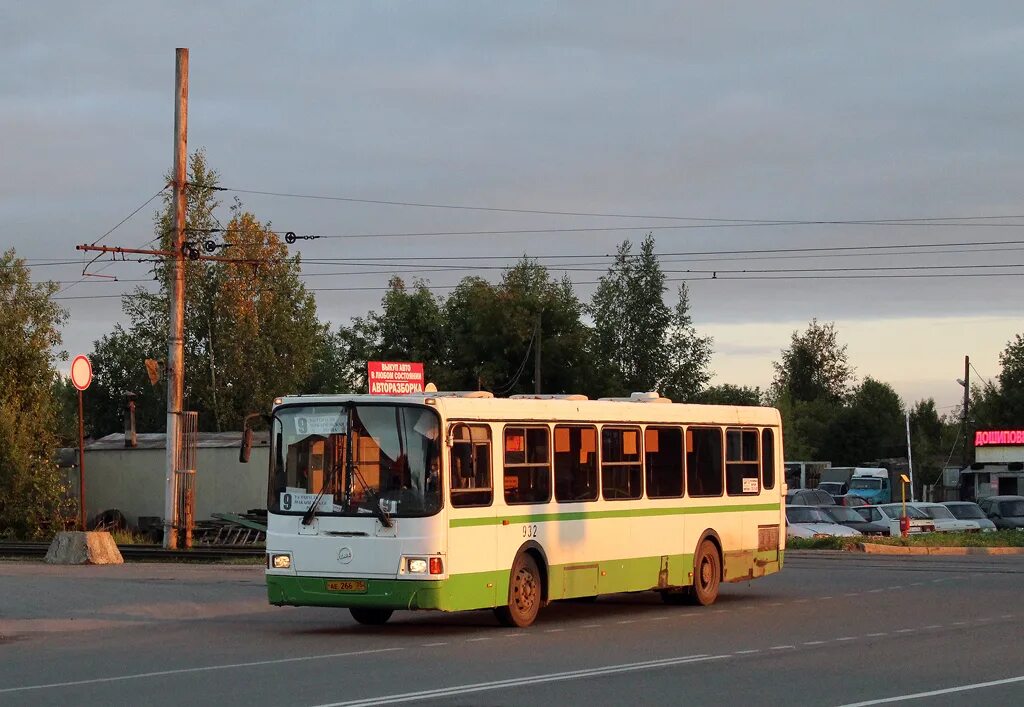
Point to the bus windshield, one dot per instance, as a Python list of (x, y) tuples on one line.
[(357, 455)]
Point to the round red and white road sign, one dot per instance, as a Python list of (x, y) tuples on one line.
[(81, 372)]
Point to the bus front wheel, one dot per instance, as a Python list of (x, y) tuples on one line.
[(707, 573), (371, 617), (524, 594)]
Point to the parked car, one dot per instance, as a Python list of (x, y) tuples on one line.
[(965, 510), (890, 513), (1005, 511), (835, 489), (945, 522), (812, 522), (808, 497), (850, 500), (852, 519)]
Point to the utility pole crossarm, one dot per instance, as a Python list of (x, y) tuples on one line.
[(118, 250)]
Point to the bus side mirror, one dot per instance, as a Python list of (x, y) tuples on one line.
[(243, 452), (246, 448)]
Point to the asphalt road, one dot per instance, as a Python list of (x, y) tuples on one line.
[(828, 630)]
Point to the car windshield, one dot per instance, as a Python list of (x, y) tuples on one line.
[(842, 514), (865, 483), (965, 511), (1011, 509), (936, 512), (896, 510), (806, 515), (358, 455)]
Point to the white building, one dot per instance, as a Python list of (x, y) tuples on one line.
[(132, 479), (998, 469)]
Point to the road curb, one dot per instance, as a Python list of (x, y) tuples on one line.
[(875, 549)]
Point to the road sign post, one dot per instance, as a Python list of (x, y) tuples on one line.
[(81, 377)]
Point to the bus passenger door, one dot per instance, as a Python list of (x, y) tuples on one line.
[(472, 529)]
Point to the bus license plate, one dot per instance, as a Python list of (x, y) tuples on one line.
[(346, 585)]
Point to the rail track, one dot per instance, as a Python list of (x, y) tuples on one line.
[(144, 553)]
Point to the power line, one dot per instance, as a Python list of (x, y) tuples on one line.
[(727, 221), (126, 218)]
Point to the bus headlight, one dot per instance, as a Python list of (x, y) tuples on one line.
[(281, 562), (416, 565)]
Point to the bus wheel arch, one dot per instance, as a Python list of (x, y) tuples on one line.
[(711, 535), (527, 591), (708, 569)]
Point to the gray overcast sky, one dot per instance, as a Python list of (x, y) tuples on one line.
[(727, 110)]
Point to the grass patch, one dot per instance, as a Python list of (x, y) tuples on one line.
[(127, 537), (1000, 538)]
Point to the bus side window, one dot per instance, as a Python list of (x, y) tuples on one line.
[(767, 458), (663, 447), (527, 477), (575, 463), (471, 466), (741, 462), (621, 468), (704, 461)]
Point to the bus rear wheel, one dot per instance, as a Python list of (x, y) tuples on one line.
[(371, 617), (707, 574), (524, 594)]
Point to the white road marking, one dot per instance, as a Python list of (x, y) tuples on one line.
[(875, 591), (523, 681), (434, 645), (208, 668), (554, 630), (1006, 616), (659, 618), (591, 626), (959, 623), (852, 594), (906, 630), (780, 648), (847, 638), (813, 643), (933, 626), (917, 584), (482, 638), (626, 621), (824, 598), (747, 652), (777, 603), (898, 586), (934, 693), (876, 635), (801, 601)]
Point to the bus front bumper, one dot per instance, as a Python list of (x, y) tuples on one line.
[(289, 590)]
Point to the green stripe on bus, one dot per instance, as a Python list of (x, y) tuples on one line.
[(623, 513)]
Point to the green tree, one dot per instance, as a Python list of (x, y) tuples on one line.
[(639, 342), (814, 366), (689, 355), (251, 328), (806, 426), (631, 320), (32, 491), (869, 427), (932, 439), (728, 394)]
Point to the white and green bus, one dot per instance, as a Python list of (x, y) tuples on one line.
[(456, 501)]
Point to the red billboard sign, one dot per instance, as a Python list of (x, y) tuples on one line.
[(394, 377), (1000, 438)]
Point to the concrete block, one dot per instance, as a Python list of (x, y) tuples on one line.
[(77, 548)]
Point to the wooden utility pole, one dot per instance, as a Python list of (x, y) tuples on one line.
[(176, 325), (536, 358), (965, 457)]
